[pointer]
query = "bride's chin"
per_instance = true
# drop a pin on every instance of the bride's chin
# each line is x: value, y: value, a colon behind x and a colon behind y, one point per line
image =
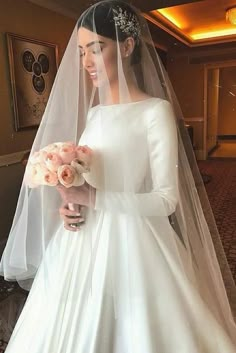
x: 97, y: 84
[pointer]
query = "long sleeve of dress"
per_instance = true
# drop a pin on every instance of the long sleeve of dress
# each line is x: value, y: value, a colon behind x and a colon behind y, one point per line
x: 163, y: 155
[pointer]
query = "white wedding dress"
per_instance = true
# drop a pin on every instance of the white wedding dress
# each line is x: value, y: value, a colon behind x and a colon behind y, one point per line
x: 64, y: 313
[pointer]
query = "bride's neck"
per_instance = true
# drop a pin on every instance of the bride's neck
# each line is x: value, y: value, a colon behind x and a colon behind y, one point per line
x: 114, y: 94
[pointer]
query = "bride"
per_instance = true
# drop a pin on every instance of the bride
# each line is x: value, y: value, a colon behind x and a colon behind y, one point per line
x: 136, y: 265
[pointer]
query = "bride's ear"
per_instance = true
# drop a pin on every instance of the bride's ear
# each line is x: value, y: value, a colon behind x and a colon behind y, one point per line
x: 127, y: 47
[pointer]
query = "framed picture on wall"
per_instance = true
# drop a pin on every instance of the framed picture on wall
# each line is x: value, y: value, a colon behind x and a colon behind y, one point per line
x: 33, y: 66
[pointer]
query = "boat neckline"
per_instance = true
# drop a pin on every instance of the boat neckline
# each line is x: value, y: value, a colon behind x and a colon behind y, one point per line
x: 127, y: 103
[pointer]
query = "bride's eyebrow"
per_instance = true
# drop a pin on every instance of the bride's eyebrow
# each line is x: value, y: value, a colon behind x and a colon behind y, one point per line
x: 92, y: 43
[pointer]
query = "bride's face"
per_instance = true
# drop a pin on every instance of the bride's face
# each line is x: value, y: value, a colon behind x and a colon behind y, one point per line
x: 99, y: 57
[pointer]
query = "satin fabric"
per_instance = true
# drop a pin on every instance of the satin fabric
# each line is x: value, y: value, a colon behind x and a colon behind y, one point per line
x: 139, y: 296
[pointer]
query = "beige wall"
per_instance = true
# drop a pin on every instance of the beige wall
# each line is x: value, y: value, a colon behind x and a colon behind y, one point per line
x: 11, y: 178
x: 227, y: 101
x: 187, y: 80
x: 188, y: 83
x: 186, y: 71
x: 22, y: 18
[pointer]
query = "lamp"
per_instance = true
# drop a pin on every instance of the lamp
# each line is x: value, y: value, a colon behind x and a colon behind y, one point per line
x: 231, y: 15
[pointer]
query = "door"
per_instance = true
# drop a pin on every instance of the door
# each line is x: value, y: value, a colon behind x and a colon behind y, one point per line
x: 212, y: 108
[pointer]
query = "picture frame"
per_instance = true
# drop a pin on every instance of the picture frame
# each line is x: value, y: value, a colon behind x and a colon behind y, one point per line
x: 33, y: 66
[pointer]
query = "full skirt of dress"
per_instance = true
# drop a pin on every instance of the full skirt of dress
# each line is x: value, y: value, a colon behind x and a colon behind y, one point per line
x: 75, y: 308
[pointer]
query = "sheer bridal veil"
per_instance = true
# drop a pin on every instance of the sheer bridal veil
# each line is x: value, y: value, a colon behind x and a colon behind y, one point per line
x: 72, y: 101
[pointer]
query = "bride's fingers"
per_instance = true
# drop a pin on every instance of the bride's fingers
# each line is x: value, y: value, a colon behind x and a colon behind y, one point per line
x: 66, y: 212
x: 74, y: 220
x: 71, y: 227
x: 69, y: 219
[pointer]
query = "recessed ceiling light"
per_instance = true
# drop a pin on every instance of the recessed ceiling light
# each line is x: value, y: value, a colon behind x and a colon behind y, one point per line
x: 231, y: 15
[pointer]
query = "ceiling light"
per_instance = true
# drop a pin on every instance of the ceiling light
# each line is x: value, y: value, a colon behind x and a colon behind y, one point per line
x: 231, y: 15
x: 212, y: 34
x: 168, y: 16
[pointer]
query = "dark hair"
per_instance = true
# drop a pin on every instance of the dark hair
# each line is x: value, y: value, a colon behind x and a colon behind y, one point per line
x: 100, y: 18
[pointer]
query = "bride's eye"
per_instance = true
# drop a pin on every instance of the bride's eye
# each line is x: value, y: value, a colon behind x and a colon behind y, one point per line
x: 97, y: 50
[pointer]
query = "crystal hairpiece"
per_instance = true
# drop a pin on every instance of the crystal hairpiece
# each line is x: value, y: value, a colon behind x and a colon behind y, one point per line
x: 128, y: 23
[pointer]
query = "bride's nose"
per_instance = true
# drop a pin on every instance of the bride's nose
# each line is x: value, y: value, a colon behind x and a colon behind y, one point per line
x: 87, y: 60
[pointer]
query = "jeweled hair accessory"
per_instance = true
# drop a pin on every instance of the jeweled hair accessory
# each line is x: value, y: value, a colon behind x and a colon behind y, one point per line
x: 127, y: 22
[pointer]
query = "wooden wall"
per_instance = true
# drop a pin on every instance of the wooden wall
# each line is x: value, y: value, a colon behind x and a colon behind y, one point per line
x: 26, y: 19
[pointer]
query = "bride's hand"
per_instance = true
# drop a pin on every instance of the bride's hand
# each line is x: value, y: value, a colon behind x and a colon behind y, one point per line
x: 72, y: 219
x: 84, y: 195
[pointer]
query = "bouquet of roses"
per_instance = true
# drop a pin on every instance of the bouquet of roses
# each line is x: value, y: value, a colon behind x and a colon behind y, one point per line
x: 58, y: 163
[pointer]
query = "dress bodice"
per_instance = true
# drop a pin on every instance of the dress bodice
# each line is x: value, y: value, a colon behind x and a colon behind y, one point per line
x: 118, y: 136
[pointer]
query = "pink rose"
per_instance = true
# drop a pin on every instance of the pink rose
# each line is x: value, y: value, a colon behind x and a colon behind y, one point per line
x: 52, y: 148
x: 37, y: 157
x: 29, y: 175
x: 84, y: 155
x: 67, y: 152
x: 68, y: 176
x: 53, y: 161
x: 50, y: 178
x: 79, y: 166
x: 38, y: 174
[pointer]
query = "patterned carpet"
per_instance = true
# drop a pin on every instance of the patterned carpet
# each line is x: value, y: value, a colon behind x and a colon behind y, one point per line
x: 220, y: 178
x: 3, y: 346
x: 221, y: 191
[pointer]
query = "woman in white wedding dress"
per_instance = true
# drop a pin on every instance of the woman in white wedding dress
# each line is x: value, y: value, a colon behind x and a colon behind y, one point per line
x: 122, y: 278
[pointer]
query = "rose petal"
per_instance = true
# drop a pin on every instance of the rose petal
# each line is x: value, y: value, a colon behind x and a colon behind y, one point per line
x: 80, y: 168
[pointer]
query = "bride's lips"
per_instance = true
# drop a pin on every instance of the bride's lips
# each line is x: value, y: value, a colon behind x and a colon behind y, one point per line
x: 93, y: 75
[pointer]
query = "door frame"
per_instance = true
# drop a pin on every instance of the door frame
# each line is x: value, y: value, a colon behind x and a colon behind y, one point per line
x: 215, y: 65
